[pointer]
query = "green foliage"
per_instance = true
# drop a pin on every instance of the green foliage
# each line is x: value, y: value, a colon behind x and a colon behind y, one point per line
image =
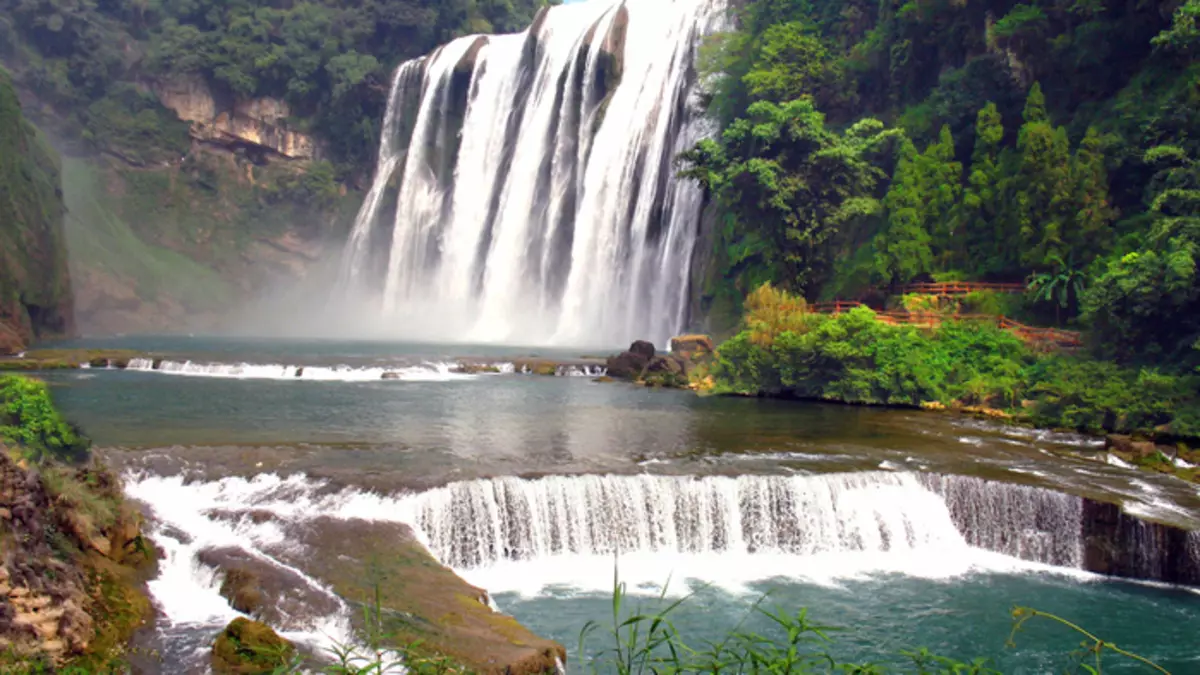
x: 791, y: 187
x: 1098, y: 396
x: 1144, y: 304
x: 855, y: 358
x: 920, y: 206
x: 1183, y: 37
x: 29, y: 419
x: 328, y: 59
x: 34, y: 284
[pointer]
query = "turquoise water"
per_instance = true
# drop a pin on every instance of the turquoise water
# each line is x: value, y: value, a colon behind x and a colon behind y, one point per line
x: 878, y: 619
x: 393, y: 436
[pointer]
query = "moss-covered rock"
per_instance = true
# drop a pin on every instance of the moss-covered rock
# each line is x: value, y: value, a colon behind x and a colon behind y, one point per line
x: 35, y: 286
x: 248, y: 647
x: 423, y: 602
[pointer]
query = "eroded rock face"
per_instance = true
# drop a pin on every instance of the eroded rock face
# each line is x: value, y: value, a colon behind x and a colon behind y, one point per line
x: 255, y: 122
x: 48, y: 607
x: 1118, y: 544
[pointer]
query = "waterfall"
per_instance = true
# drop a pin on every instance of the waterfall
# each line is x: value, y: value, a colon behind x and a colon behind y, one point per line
x: 476, y: 523
x: 1017, y: 520
x: 537, y: 200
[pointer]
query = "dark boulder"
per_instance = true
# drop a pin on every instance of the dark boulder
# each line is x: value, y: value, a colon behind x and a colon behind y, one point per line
x: 666, y: 371
x: 631, y: 363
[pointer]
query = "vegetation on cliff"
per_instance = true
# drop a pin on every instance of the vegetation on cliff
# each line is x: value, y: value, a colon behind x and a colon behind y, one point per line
x: 329, y: 60
x: 72, y: 558
x: 35, y: 287
x: 1023, y: 142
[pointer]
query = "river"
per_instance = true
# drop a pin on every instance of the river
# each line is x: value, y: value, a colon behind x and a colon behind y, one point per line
x: 535, y: 487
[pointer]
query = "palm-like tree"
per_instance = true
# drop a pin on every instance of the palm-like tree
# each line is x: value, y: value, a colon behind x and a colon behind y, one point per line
x: 1062, y: 286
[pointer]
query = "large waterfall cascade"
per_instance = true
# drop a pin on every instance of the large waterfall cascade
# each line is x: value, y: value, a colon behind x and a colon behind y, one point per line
x: 536, y: 193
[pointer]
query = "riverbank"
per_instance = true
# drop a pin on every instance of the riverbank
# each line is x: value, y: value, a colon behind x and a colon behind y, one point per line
x: 1150, y: 416
x: 74, y: 560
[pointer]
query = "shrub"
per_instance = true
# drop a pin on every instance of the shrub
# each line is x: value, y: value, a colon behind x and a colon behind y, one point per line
x: 29, y: 419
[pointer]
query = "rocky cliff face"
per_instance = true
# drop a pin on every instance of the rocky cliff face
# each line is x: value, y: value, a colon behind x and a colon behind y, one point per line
x: 69, y: 557
x: 254, y: 123
x: 35, y: 286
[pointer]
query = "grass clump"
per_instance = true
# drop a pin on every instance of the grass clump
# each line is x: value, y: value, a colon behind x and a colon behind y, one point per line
x: 29, y: 420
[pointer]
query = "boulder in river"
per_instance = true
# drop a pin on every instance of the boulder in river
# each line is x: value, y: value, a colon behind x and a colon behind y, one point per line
x: 668, y: 370
x: 248, y: 647
x: 631, y: 363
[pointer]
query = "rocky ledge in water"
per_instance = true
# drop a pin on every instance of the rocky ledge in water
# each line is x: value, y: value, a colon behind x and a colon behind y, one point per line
x: 60, y: 359
x: 643, y: 364
x: 375, y: 564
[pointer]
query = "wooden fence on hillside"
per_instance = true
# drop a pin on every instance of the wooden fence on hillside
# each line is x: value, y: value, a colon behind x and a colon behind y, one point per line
x: 1032, y: 335
x: 963, y: 287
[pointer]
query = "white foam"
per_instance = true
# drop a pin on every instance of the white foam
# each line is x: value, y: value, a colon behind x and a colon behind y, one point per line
x: 1112, y: 459
x: 426, y: 372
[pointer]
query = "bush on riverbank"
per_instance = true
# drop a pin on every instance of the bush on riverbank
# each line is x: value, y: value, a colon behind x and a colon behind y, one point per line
x: 29, y: 420
x: 784, y: 350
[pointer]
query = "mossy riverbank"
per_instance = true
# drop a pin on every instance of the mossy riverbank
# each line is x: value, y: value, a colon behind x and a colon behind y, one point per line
x: 73, y: 560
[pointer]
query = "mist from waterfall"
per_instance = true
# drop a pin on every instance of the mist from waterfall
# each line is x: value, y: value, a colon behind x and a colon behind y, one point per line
x: 525, y: 190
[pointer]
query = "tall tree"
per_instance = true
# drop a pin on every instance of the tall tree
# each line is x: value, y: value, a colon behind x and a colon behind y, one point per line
x: 1042, y: 188
x: 1093, y: 214
x: 903, y: 251
x: 791, y: 186
x: 981, y: 212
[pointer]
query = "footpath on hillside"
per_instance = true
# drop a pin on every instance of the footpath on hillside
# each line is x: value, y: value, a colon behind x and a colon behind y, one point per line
x: 1037, y: 337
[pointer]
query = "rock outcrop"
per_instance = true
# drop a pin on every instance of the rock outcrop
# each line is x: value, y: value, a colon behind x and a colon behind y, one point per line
x: 268, y: 593
x: 691, y: 346
x: 1119, y: 544
x: 248, y: 647
x: 366, y: 562
x: 71, y: 564
x: 642, y: 363
x: 631, y: 363
x: 254, y: 123
x: 35, y: 285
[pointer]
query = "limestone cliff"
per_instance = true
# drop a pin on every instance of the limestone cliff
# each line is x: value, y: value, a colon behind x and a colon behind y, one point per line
x: 35, y: 286
x: 254, y: 123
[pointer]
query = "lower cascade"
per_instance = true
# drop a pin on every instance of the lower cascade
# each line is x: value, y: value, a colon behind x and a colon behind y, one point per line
x: 477, y: 523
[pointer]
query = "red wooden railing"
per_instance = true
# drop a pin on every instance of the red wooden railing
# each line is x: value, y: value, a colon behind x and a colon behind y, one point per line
x: 963, y: 287
x: 1044, y: 337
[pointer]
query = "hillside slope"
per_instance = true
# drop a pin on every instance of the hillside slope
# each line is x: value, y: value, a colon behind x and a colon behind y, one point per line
x: 35, y: 286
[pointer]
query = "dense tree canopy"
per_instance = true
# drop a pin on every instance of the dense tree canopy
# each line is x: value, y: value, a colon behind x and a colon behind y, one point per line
x: 1050, y: 143
x: 328, y: 59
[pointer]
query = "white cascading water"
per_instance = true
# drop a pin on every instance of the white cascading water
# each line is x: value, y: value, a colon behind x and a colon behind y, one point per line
x: 524, y: 535
x: 426, y: 372
x: 537, y: 199
x: 1039, y: 525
